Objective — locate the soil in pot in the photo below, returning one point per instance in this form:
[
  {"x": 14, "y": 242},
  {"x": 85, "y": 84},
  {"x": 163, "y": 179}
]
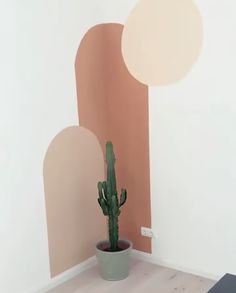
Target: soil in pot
[{"x": 105, "y": 246}]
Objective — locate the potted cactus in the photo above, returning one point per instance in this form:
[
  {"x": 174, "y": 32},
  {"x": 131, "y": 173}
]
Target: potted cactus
[{"x": 112, "y": 254}]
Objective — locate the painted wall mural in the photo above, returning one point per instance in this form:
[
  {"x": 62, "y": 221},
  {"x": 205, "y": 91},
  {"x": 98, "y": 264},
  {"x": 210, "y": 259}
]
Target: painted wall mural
[
  {"x": 161, "y": 40},
  {"x": 72, "y": 167},
  {"x": 114, "y": 66},
  {"x": 114, "y": 106}
]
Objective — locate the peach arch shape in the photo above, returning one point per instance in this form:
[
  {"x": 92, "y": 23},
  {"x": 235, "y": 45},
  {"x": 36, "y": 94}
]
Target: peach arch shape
[{"x": 73, "y": 165}]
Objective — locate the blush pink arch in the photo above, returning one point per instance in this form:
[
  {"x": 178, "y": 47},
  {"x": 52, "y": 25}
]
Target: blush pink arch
[
  {"x": 114, "y": 106},
  {"x": 73, "y": 165}
]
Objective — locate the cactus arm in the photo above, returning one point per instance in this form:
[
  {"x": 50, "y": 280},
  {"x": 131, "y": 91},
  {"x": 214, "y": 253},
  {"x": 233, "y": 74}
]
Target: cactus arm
[
  {"x": 103, "y": 205},
  {"x": 100, "y": 190},
  {"x": 123, "y": 197},
  {"x": 104, "y": 187},
  {"x": 102, "y": 199}
]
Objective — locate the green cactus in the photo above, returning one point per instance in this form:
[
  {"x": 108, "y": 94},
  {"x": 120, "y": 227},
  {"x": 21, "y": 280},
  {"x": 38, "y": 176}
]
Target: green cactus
[{"x": 108, "y": 199}]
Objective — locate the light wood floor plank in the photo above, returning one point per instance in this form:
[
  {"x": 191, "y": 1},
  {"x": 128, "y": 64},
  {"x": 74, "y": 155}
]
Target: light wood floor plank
[{"x": 144, "y": 278}]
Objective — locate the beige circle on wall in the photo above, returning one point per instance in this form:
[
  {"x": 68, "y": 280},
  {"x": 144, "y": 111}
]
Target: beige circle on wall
[{"x": 161, "y": 40}]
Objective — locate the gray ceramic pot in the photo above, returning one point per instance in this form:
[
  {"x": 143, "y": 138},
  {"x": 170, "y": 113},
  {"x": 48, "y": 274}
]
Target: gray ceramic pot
[{"x": 113, "y": 266}]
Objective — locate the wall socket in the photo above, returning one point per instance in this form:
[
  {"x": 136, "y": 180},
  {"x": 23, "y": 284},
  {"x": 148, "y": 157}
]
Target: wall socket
[{"x": 147, "y": 232}]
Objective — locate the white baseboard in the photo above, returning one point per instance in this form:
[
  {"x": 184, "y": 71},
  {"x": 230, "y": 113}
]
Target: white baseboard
[
  {"x": 67, "y": 275},
  {"x": 143, "y": 256}
]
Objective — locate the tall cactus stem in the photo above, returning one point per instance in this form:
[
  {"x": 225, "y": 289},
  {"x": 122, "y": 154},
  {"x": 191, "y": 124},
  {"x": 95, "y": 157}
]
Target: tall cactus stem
[{"x": 108, "y": 199}]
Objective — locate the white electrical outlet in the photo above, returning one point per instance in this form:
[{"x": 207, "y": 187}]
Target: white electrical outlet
[{"x": 147, "y": 232}]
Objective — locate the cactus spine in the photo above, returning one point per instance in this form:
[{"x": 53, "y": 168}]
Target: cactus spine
[{"x": 108, "y": 199}]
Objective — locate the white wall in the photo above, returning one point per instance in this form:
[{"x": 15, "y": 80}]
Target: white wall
[
  {"x": 192, "y": 134},
  {"x": 193, "y": 154},
  {"x": 39, "y": 40}
]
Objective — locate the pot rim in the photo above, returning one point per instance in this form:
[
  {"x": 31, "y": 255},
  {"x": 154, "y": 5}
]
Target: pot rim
[{"x": 112, "y": 252}]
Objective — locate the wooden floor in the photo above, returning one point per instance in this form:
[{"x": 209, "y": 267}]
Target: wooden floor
[{"x": 144, "y": 278}]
